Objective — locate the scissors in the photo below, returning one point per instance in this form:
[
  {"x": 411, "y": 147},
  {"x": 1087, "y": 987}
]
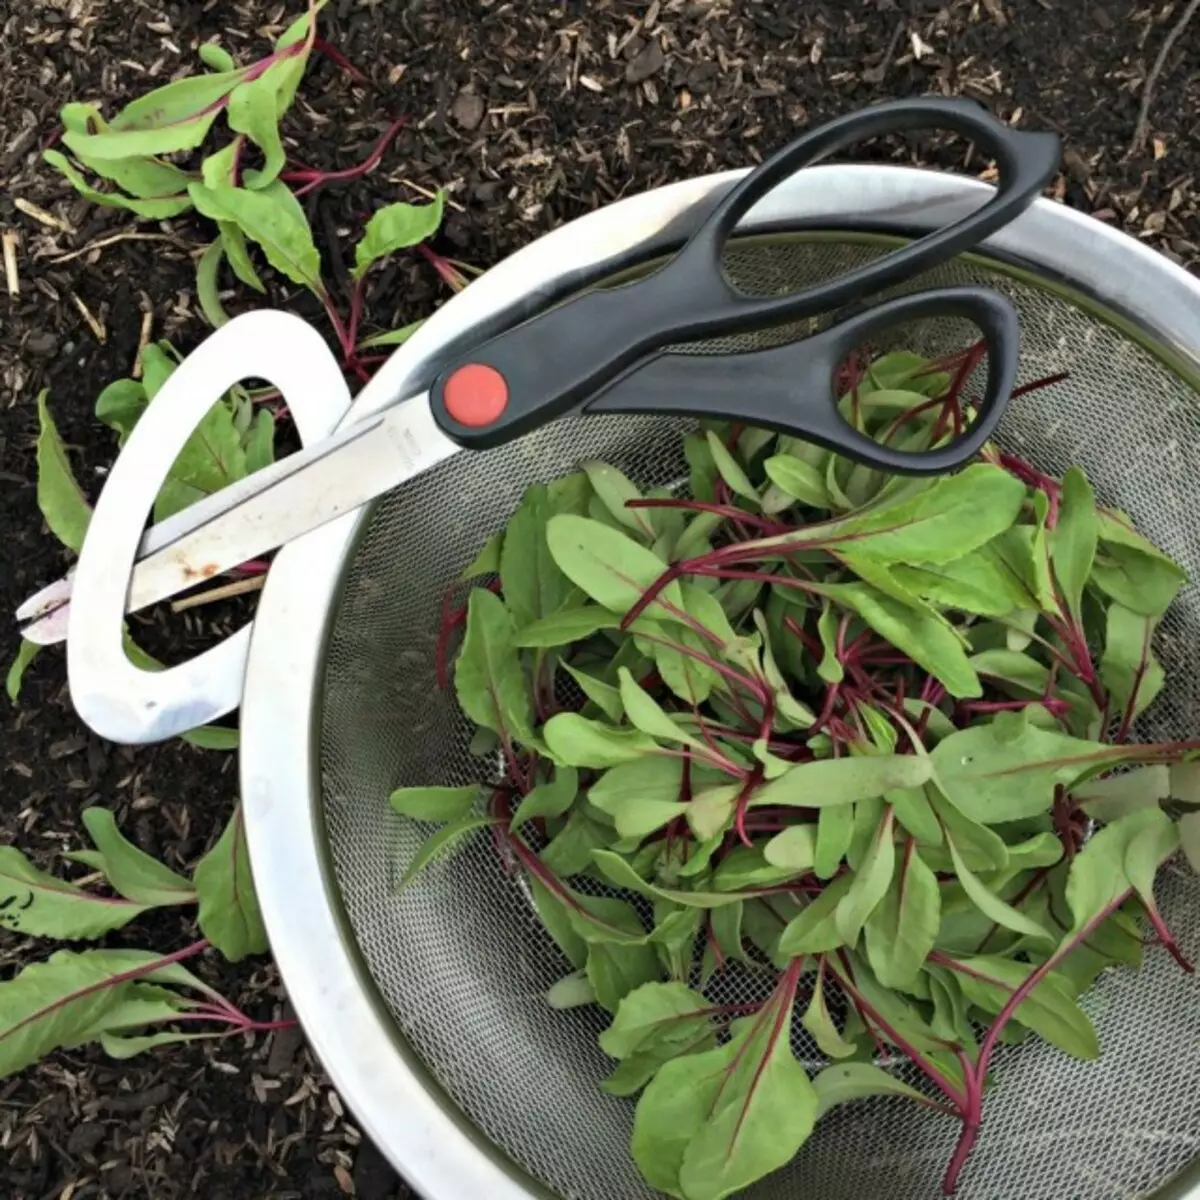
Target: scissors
[{"x": 610, "y": 351}]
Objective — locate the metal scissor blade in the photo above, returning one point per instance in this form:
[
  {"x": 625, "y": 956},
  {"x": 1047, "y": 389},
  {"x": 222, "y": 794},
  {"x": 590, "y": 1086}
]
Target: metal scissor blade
[{"x": 267, "y": 510}]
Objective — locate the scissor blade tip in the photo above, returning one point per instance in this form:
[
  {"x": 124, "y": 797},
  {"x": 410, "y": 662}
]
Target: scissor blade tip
[
  {"x": 45, "y": 602},
  {"x": 49, "y": 631}
]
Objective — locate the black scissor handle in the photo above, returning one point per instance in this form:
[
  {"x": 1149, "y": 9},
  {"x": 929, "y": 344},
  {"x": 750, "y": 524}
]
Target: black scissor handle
[
  {"x": 557, "y": 360},
  {"x": 790, "y": 388}
]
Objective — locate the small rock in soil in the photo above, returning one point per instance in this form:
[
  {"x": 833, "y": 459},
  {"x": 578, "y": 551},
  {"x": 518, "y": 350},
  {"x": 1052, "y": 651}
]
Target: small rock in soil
[
  {"x": 467, "y": 110},
  {"x": 136, "y": 1101},
  {"x": 85, "y": 1138},
  {"x": 649, "y": 60}
]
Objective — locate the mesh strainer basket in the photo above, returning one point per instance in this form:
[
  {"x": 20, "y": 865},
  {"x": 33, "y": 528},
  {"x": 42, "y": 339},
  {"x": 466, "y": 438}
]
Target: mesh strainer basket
[{"x": 427, "y": 1006}]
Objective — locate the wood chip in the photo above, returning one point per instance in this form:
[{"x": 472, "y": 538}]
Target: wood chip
[
  {"x": 344, "y": 1179},
  {"x": 11, "y": 241},
  {"x": 98, "y": 330},
  {"x": 143, "y": 341},
  {"x": 41, "y": 215}
]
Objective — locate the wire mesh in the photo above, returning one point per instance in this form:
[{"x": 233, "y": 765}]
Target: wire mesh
[{"x": 460, "y": 957}]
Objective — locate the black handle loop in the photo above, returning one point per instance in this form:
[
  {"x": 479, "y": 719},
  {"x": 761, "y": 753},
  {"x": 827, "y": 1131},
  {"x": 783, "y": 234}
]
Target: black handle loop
[
  {"x": 1025, "y": 161},
  {"x": 559, "y": 359},
  {"x": 790, "y": 388}
]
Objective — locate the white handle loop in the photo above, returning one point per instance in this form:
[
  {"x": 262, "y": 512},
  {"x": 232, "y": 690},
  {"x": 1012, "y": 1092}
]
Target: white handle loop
[{"x": 123, "y": 702}]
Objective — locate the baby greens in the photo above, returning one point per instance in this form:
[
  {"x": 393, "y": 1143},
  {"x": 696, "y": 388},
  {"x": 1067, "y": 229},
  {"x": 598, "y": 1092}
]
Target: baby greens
[{"x": 830, "y": 733}]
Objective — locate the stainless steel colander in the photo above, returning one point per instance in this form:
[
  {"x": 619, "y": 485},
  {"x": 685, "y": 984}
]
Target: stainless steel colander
[{"x": 427, "y": 1006}]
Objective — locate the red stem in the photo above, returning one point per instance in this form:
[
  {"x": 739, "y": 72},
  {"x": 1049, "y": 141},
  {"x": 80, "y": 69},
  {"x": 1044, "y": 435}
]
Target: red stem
[{"x": 311, "y": 179}]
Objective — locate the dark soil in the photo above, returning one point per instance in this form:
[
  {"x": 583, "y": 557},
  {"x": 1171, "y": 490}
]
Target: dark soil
[{"x": 530, "y": 113}]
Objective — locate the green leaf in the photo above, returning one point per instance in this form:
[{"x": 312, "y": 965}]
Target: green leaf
[
  {"x": 610, "y": 567},
  {"x": 215, "y": 57},
  {"x": 830, "y": 667},
  {"x": 229, "y": 915},
  {"x": 177, "y": 102},
  {"x": 488, "y": 678},
  {"x": 993, "y": 778},
  {"x": 576, "y": 741},
  {"x": 259, "y": 442},
  {"x": 979, "y": 582},
  {"x": 618, "y": 871},
  {"x": 606, "y": 697},
  {"x": 252, "y": 111},
  {"x": 211, "y": 459},
  {"x": 871, "y": 882},
  {"x": 278, "y": 227},
  {"x": 793, "y": 849},
  {"x": 393, "y": 337},
  {"x": 565, "y": 627},
  {"x": 1132, "y": 570},
  {"x": 114, "y": 143},
  {"x": 1155, "y": 840},
  {"x": 443, "y": 843},
  {"x": 435, "y": 803},
  {"x": 59, "y": 496},
  {"x": 1107, "y": 800},
  {"x": 711, "y": 1124},
  {"x": 1049, "y": 1010},
  {"x": 160, "y": 209},
  {"x": 234, "y": 243},
  {"x": 211, "y": 737},
  {"x": 132, "y": 872},
  {"x": 39, "y": 905},
  {"x": 815, "y": 930},
  {"x": 991, "y": 905},
  {"x": 121, "y": 1048},
  {"x": 843, "y": 1083},
  {"x": 1097, "y": 879},
  {"x": 834, "y": 781},
  {"x": 571, "y": 991},
  {"x": 1015, "y": 668},
  {"x": 654, "y": 1024},
  {"x": 1189, "y": 839},
  {"x": 798, "y": 479},
  {"x": 613, "y": 489},
  {"x": 120, "y": 406},
  {"x": 902, "y": 930},
  {"x": 640, "y": 796},
  {"x": 955, "y": 516},
  {"x": 69, "y": 1000},
  {"x": 570, "y": 851},
  {"x": 208, "y": 287},
  {"x": 1074, "y": 539},
  {"x": 835, "y": 826},
  {"x": 647, "y": 714},
  {"x": 549, "y": 799},
  {"x": 819, "y": 1023},
  {"x": 1129, "y": 669},
  {"x": 556, "y": 918},
  {"x": 394, "y": 228},
  {"x": 27, "y": 651},
  {"x": 926, "y": 637},
  {"x": 487, "y": 561},
  {"x": 657, "y": 1012},
  {"x": 711, "y": 810},
  {"x": 730, "y": 469},
  {"x": 616, "y": 970}
]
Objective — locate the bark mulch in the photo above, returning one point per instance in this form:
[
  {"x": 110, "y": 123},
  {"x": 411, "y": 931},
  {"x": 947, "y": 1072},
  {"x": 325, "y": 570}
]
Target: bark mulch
[{"x": 530, "y": 113}]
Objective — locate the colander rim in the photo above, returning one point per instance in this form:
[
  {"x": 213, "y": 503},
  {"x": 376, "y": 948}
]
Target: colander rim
[{"x": 414, "y": 1123}]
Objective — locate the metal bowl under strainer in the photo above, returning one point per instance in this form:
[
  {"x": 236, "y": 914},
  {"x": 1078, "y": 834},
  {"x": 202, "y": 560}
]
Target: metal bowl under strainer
[{"x": 427, "y": 1007}]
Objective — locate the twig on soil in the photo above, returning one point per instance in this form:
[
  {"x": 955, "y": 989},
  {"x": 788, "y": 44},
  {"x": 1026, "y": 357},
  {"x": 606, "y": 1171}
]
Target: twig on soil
[
  {"x": 238, "y": 588},
  {"x": 1143, "y": 121},
  {"x": 421, "y": 191},
  {"x": 143, "y": 341},
  {"x": 11, "y": 276},
  {"x": 98, "y": 330},
  {"x": 41, "y": 215},
  {"x": 112, "y": 240}
]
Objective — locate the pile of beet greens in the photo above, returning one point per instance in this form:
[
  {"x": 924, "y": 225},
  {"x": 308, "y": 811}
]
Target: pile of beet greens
[{"x": 862, "y": 741}]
